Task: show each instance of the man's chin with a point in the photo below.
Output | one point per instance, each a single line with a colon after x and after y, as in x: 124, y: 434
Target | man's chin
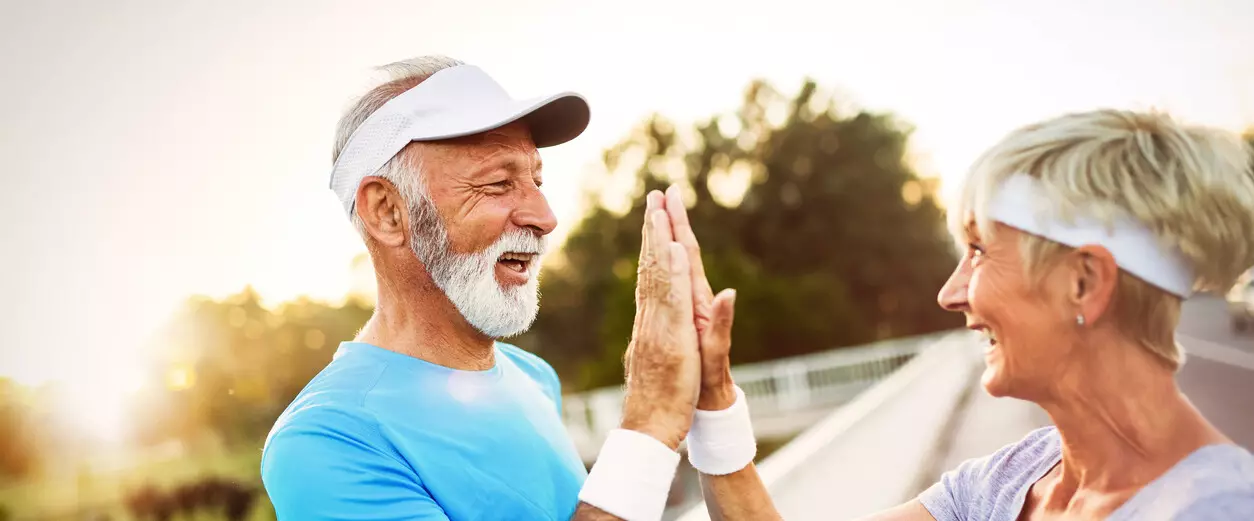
x: 510, y: 332
x: 524, y: 307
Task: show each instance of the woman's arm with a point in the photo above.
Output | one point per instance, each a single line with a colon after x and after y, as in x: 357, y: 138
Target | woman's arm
x: 740, y: 495
x: 909, y: 511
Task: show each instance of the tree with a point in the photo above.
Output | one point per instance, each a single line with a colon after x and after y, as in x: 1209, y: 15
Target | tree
x: 812, y: 214
x: 19, y: 446
x: 230, y: 367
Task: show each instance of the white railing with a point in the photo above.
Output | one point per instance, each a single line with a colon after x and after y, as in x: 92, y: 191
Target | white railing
x: 785, y: 395
x: 877, y: 450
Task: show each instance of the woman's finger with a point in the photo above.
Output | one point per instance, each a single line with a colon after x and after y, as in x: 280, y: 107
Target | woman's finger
x: 702, y: 294
x: 717, y: 341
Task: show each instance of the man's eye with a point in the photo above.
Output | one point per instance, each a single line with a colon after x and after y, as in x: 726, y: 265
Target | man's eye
x: 501, y: 185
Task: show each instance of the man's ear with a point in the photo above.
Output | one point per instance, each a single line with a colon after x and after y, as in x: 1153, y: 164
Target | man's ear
x: 1094, y: 277
x: 382, y: 211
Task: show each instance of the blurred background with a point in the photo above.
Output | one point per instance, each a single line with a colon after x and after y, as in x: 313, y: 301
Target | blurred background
x: 176, y: 268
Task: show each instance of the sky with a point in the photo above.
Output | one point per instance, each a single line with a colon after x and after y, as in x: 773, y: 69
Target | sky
x: 153, y: 150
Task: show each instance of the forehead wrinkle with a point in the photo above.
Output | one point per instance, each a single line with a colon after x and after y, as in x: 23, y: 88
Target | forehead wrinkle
x: 521, y: 156
x: 510, y: 154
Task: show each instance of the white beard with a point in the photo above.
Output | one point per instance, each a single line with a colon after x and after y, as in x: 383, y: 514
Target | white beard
x: 469, y: 279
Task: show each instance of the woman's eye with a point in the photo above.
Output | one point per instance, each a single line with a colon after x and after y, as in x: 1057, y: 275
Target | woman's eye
x: 976, y: 251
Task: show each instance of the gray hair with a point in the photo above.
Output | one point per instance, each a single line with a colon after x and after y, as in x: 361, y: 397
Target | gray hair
x: 403, y: 170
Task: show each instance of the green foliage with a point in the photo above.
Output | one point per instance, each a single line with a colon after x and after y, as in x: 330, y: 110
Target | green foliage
x: 835, y: 240
x: 244, y: 363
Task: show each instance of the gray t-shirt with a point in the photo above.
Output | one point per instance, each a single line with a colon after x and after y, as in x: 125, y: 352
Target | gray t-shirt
x: 1214, y: 483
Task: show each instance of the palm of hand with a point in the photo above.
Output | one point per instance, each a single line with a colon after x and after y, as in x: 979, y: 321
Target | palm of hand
x: 663, y: 360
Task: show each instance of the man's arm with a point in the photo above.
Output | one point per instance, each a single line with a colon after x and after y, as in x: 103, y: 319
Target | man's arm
x: 587, y: 512
x: 634, y: 471
x: 324, y: 468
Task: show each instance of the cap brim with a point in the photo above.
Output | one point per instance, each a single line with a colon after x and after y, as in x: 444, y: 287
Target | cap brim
x: 557, y: 119
x: 552, y: 120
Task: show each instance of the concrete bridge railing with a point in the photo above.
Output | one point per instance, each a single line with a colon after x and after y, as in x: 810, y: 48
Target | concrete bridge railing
x: 785, y: 396
x: 879, y: 449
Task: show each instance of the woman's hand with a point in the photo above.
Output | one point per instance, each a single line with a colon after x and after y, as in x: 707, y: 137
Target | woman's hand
x: 712, y: 314
x: 663, y: 363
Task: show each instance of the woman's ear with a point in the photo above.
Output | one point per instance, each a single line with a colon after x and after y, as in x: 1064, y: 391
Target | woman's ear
x: 1094, y: 276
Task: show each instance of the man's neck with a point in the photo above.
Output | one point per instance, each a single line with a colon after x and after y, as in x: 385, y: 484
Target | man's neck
x: 1122, y: 420
x: 418, y: 320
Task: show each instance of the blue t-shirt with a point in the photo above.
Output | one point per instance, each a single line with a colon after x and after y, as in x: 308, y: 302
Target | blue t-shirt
x: 378, y: 435
x: 1214, y: 483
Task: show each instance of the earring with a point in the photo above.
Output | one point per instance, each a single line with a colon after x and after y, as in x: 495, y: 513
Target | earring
x: 1079, y: 320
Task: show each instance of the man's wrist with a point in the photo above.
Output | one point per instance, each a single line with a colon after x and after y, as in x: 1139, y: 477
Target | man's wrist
x: 632, y: 476
x: 667, y: 436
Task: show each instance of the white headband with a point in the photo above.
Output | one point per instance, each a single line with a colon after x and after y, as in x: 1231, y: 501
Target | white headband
x: 1020, y: 202
x: 457, y: 101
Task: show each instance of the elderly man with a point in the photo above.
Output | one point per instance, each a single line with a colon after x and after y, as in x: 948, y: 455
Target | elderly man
x: 425, y: 415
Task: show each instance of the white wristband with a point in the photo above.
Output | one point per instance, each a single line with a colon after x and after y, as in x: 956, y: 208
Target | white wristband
x: 632, y: 476
x: 721, y: 442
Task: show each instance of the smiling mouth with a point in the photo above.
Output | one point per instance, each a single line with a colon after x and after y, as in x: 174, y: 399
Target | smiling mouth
x: 516, y: 261
x: 986, y: 332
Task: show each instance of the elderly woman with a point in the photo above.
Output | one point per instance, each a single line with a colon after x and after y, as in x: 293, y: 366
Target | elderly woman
x: 1082, y: 236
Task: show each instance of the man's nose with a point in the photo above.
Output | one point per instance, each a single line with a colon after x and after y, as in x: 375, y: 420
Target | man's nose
x: 534, y: 213
x: 953, y: 295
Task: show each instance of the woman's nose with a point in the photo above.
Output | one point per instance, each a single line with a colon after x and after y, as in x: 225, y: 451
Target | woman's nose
x: 953, y: 295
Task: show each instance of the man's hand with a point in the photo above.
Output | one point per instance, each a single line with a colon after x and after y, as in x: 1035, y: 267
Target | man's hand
x: 663, y: 362
x: 712, y: 314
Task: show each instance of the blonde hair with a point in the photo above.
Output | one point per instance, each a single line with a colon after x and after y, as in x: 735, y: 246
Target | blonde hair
x: 1191, y: 186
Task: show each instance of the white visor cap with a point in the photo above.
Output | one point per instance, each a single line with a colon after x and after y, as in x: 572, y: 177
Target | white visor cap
x: 457, y: 101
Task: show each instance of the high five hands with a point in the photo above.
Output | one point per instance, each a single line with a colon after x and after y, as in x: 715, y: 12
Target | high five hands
x: 677, y: 360
x: 679, y: 386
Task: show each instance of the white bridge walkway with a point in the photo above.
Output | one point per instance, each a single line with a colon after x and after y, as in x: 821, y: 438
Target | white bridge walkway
x: 873, y: 425
x: 885, y: 445
x: 785, y: 396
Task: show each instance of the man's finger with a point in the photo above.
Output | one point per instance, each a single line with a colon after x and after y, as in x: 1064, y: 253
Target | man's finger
x: 654, y: 284
x: 657, y: 233
x: 680, y: 298
x: 660, y: 241
x: 653, y: 202
x: 645, y: 275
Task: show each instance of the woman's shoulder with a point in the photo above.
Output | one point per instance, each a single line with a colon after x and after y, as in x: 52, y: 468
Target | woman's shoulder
x: 1232, y: 462
x: 1040, y: 447
x: 981, y: 488
x: 1026, y: 459
x: 1222, y: 469
x: 1215, y: 482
